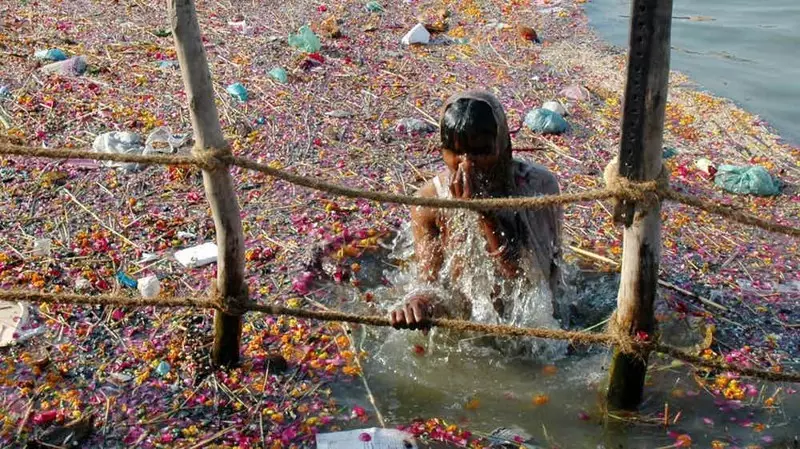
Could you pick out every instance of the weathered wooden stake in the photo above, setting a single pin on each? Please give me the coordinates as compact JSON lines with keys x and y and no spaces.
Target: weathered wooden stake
{"x":640,"y":160}
{"x":218,"y":183}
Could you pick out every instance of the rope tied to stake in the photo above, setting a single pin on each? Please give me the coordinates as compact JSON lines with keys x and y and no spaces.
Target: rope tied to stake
{"x":212,"y":159}
{"x":646,"y":194}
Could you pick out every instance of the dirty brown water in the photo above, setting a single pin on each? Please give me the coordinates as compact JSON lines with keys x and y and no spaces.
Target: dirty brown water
{"x":465,"y":381}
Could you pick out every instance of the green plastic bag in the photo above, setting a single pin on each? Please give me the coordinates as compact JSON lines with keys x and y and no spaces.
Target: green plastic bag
{"x":373,"y":7}
{"x":545,"y":121}
{"x":305,"y":40}
{"x":279,"y":73}
{"x":752,"y":180}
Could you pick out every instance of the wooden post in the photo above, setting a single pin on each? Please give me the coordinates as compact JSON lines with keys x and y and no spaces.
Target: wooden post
{"x":640,"y":160}
{"x":218,"y":182}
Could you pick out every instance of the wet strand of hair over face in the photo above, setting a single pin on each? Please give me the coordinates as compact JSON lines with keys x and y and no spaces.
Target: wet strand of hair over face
{"x":469,"y":126}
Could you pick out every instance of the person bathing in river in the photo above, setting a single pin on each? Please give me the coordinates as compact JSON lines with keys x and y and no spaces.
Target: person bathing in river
{"x":520,"y":245}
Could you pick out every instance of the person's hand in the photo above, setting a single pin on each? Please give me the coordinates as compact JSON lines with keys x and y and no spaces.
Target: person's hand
{"x":461,"y":183}
{"x":415,"y":314}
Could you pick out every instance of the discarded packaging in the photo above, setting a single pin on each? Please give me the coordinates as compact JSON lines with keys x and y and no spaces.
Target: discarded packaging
{"x":413,"y":126}
{"x":528,"y":33}
{"x":545,"y":121}
{"x":13,"y":316}
{"x":197,"y":256}
{"x":149,"y":286}
{"x":750,"y":180}
{"x":373,"y":7}
{"x":73,"y":66}
{"x":279,"y":74}
{"x":161,"y":140}
{"x":126,"y":280}
{"x":556,"y":107}
{"x":42,"y":247}
{"x":373,"y":438}
{"x":575,"y":92}
{"x":52,"y":54}
{"x":418,"y":35}
{"x":511,"y":438}
{"x":237,"y":91}
{"x":305,"y":40}
{"x":82,"y":284}
{"x":706,"y":166}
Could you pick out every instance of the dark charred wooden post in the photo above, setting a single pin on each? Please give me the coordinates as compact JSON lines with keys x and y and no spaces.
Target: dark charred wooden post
{"x":217,"y":180}
{"x":640,"y":160}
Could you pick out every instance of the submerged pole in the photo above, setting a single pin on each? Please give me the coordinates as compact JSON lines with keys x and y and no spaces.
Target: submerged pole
{"x":218,"y":183}
{"x":640,"y":160}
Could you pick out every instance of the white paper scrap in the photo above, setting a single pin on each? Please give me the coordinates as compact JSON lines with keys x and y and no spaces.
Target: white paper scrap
{"x":197,"y":256}
{"x":373,"y":438}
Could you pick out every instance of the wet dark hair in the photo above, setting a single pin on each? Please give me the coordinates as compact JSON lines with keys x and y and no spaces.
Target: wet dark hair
{"x":468,"y":126}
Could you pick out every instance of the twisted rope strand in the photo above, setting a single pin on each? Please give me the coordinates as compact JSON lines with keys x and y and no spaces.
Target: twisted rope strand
{"x":575,"y":337}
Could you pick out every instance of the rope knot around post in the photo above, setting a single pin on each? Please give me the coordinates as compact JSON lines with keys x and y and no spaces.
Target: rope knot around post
{"x":624,"y":342}
{"x":212,"y":158}
{"x":646,"y":194}
{"x":230,"y":305}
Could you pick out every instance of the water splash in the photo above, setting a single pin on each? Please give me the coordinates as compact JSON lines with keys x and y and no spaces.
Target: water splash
{"x":468,"y":272}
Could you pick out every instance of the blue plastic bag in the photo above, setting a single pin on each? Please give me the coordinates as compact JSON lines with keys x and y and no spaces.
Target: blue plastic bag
{"x":305,"y":40}
{"x":752,"y":180}
{"x":237,"y":91}
{"x":126,"y":280}
{"x":53,"y":54}
{"x":545,"y":121}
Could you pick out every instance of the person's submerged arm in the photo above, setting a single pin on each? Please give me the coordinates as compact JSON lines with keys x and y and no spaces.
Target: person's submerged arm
{"x":423,"y":305}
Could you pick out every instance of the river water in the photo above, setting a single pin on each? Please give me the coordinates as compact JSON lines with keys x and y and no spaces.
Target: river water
{"x":739,"y":49}
{"x":552,"y":395}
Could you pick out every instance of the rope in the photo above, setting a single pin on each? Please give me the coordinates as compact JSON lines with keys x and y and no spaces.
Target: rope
{"x":213,"y":159}
{"x":575,"y":337}
{"x":728,"y":212}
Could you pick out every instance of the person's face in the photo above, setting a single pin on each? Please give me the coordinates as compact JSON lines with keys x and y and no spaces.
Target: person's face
{"x":481,"y":156}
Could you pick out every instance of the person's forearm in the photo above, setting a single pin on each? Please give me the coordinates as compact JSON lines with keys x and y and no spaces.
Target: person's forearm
{"x":498,"y":245}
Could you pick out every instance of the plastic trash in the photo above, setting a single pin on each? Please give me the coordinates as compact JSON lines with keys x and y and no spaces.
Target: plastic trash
{"x":162,"y":368}
{"x":305,"y":40}
{"x":413,"y":126}
{"x":119,"y":142}
{"x":373,"y":7}
{"x":556,"y":107}
{"x":149,"y":286}
{"x":126,"y":280}
{"x":545,"y":121}
{"x":668,"y":152}
{"x":160,"y":140}
{"x":42,"y":247}
{"x":13,"y":316}
{"x":750,"y":180}
{"x":511,"y":438}
{"x":73,"y":66}
{"x":417,"y":35}
{"x":374,"y":438}
{"x":279,"y":74}
{"x":4,"y":91}
{"x":706,"y":166}
{"x":168,"y":64}
{"x":237,"y":91}
{"x":82,"y":284}
{"x":197,"y":256}
{"x":575,"y":92}
{"x":52,"y":54}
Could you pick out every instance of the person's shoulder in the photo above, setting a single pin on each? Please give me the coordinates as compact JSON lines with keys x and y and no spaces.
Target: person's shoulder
{"x":535,"y":177}
{"x":422,"y":213}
